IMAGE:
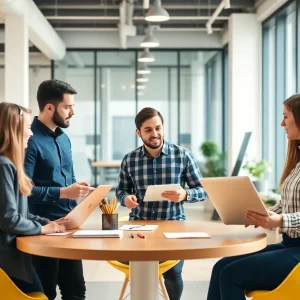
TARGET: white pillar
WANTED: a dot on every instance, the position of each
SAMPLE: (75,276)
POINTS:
(106,129)
(144,280)
(16,60)
(198,104)
(244,85)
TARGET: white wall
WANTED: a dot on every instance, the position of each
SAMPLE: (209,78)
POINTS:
(166,39)
(244,84)
(39,71)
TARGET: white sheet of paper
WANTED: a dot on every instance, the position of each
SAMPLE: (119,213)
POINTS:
(60,233)
(153,192)
(139,227)
(186,235)
(98,233)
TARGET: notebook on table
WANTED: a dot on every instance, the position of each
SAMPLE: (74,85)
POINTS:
(99,233)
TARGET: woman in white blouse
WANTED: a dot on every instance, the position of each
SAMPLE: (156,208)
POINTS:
(266,269)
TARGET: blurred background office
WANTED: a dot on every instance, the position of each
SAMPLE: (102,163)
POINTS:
(215,69)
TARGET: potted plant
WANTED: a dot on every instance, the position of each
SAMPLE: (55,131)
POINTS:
(214,165)
(257,170)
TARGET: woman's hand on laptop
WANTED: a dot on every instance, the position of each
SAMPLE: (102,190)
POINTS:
(175,196)
(76,190)
(53,227)
(267,222)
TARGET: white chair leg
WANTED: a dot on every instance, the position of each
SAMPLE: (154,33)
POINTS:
(163,289)
(125,283)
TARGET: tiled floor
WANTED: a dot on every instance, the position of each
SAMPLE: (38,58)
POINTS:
(104,282)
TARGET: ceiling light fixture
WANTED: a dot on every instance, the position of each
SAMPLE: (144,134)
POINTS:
(141,78)
(146,56)
(143,69)
(149,41)
(140,87)
(156,13)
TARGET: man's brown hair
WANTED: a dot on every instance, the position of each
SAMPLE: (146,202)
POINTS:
(146,114)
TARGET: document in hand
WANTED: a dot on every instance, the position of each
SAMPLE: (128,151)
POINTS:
(99,233)
(139,227)
(153,192)
(186,235)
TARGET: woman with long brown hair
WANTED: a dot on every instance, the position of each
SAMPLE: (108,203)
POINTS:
(266,269)
(15,186)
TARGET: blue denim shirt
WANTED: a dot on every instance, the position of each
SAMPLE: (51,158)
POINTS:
(48,162)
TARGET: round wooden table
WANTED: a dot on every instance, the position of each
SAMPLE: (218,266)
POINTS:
(144,254)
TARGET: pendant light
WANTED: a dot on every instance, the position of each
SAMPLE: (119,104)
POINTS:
(146,56)
(156,13)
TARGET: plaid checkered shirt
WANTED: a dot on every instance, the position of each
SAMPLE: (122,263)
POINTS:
(174,165)
(289,205)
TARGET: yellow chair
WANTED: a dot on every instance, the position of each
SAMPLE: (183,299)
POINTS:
(9,291)
(289,289)
(162,268)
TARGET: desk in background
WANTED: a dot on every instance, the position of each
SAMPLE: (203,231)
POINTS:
(144,254)
(108,171)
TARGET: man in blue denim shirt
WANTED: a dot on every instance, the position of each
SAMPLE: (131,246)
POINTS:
(49,164)
(159,162)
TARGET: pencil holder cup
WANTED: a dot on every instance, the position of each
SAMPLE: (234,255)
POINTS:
(109,221)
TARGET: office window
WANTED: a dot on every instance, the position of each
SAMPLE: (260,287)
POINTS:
(77,68)
(201,101)
(214,99)
(161,92)
(108,100)
(116,84)
(279,83)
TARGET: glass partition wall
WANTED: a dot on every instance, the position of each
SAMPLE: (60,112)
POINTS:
(185,86)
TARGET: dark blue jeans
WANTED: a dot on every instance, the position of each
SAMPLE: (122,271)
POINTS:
(173,281)
(26,287)
(263,270)
(66,273)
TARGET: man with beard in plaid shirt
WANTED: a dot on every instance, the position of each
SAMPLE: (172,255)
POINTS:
(158,162)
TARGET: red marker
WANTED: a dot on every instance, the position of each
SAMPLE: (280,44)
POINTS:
(142,236)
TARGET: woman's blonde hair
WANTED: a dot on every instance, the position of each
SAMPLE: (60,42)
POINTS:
(293,152)
(12,140)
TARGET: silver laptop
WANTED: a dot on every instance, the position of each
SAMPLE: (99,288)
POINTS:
(232,197)
(77,216)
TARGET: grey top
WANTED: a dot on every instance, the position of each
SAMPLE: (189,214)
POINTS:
(15,220)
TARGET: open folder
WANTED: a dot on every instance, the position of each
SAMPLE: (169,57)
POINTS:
(99,233)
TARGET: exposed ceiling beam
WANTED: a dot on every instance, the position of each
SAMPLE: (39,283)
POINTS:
(234,5)
(114,29)
(40,32)
(136,18)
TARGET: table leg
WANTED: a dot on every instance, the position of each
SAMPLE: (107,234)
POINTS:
(144,280)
